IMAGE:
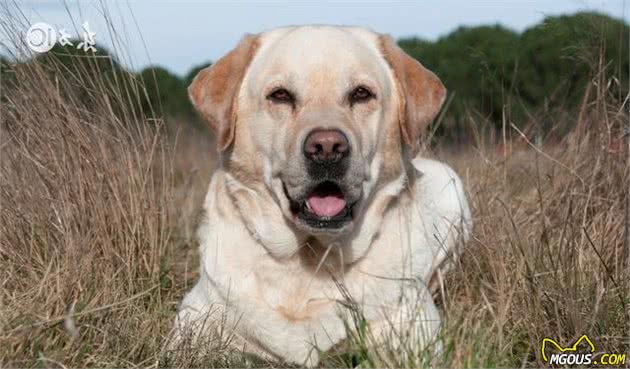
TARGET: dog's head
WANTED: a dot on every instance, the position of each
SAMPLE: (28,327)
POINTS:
(318,119)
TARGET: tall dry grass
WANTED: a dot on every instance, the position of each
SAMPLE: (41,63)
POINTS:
(550,254)
(99,207)
(86,223)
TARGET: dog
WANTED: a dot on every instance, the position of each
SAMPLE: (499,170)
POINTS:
(321,202)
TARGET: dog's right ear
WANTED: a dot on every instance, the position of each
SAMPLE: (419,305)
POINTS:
(214,90)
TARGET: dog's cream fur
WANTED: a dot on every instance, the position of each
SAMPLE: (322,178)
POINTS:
(281,288)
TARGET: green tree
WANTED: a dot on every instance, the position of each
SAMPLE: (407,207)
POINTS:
(493,70)
(476,66)
(558,57)
(167,94)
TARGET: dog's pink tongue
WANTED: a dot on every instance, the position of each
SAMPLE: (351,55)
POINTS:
(326,205)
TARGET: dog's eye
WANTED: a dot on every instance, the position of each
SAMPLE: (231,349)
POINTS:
(360,94)
(281,95)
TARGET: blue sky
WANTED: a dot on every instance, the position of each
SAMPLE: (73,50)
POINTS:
(182,34)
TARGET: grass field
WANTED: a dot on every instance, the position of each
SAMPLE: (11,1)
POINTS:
(99,208)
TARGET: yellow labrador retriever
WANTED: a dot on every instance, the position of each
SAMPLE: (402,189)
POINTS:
(319,199)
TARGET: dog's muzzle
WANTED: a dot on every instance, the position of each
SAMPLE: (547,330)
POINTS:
(325,203)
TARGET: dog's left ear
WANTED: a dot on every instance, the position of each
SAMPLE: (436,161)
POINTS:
(214,90)
(422,91)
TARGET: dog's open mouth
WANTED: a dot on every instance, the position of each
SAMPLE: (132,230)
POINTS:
(325,206)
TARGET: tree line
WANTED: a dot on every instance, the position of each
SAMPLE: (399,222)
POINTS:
(492,73)
(532,77)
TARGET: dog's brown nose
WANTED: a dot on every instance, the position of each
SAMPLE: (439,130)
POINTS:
(326,146)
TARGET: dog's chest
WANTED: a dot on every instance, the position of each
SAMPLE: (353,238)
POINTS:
(295,294)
